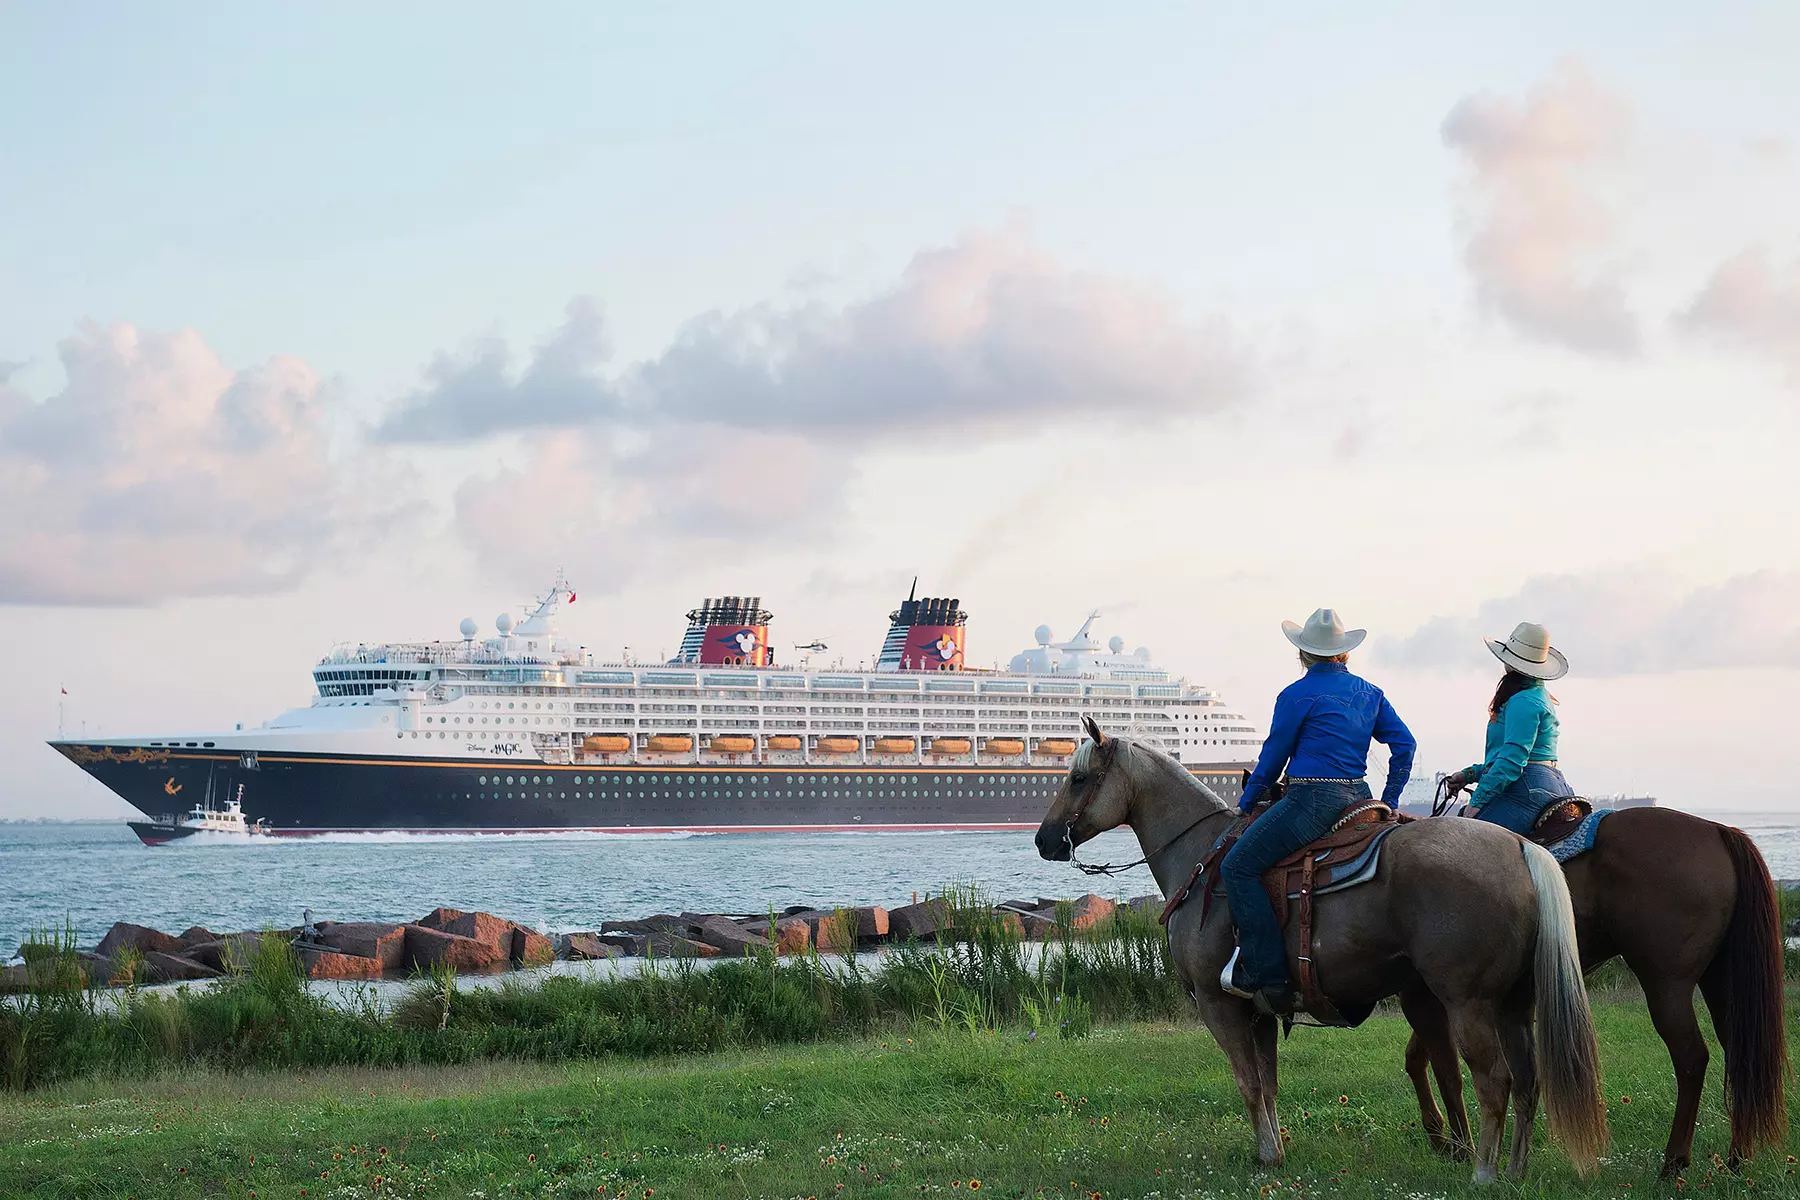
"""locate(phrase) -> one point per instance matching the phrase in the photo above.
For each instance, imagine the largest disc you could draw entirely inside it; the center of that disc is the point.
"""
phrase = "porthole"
(509, 780)
(482, 781)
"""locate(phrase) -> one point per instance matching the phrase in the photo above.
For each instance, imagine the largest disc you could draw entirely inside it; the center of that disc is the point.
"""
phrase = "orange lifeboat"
(784, 742)
(838, 745)
(670, 743)
(606, 743)
(1004, 746)
(895, 745)
(1060, 747)
(732, 743)
(950, 745)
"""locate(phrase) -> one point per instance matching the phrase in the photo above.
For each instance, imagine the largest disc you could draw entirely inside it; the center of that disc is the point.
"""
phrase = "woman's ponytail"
(1511, 684)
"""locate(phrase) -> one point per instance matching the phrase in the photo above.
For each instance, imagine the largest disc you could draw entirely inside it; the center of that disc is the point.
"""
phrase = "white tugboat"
(202, 818)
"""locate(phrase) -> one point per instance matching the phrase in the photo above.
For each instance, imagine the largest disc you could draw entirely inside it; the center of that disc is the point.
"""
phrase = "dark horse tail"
(1756, 1055)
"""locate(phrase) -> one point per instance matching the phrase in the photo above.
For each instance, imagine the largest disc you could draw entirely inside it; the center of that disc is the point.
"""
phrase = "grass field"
(1134, 1110)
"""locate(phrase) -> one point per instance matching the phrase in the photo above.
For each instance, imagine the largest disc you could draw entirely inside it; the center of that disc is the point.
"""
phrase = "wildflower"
(1343, 1099)
(974, 1185)
(531, 1158)
(1103, 1120)
(1624, 1099)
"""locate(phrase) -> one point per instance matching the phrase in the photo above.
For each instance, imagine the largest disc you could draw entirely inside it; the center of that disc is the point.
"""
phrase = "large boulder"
(427, 947)
(792, 936)
(631, 945)
(329, 964)
(668, 945)
(384, 943)
(483, 927)
(585, 946)
(195, 935)
(830, 926)
(101, 970)
(923, 920)
(141, 938)
(660, 923)
(233, 952)
(175, 968)
(1091, 910)
(14, 978)
(530, 948)
(730, 937)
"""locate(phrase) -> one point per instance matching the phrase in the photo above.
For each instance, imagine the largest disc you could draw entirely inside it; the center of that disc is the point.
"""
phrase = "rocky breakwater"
(481, 942)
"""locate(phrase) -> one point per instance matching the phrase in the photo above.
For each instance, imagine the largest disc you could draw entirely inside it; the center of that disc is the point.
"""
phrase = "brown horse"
(1460, 910)
(1686, 903)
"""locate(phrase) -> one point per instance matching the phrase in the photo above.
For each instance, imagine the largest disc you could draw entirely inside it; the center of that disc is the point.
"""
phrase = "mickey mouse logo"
(944, 647)
(742, 642)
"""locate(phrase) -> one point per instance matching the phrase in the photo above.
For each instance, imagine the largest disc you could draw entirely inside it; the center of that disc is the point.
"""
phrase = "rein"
(1109, 751)
(1443, 798)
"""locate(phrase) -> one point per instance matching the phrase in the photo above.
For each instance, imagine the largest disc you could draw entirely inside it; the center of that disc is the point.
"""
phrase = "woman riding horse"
(1518, 778)
(1320, 733)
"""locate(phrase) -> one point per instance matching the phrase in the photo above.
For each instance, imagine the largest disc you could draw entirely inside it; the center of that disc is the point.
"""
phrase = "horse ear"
(1093, 730)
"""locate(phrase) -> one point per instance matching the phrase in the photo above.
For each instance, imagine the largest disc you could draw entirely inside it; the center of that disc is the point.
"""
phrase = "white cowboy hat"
(1529, 652)
(1324, 634)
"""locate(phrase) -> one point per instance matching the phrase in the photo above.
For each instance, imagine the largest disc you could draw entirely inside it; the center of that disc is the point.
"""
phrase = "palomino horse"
(1686, 903)
(1462, 908)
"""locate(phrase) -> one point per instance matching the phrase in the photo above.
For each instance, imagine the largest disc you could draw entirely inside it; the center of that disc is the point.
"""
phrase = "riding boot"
(1276, 1000)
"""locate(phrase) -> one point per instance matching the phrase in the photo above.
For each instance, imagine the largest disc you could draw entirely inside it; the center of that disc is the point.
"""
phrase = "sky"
(336, 323)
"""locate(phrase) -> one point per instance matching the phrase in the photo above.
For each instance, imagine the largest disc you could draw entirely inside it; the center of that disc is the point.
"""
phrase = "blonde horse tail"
(1568, 1057)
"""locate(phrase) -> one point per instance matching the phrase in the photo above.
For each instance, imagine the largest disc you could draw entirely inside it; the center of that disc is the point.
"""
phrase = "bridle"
(1109, 753)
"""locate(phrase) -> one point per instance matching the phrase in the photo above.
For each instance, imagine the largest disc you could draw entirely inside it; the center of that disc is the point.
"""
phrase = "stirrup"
(1226, 977)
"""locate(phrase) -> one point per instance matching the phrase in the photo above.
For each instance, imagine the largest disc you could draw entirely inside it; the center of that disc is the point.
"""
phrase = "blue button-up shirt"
(1321, 729)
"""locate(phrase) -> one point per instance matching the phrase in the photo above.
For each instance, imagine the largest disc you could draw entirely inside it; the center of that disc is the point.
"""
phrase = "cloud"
(1749, 302)
(1628, 623)
(476, 393)
(157, 471)
(612, 513)
(988, 334)
(1534, 227)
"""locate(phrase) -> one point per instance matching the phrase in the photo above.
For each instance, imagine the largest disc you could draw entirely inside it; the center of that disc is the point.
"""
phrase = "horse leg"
(1418, 1064)
(1264, 1030)
(1714, 986)
(1231, 1022)
(1475, 1025)
(1671, 1004)
(1515, 1039)
(1432, 1045)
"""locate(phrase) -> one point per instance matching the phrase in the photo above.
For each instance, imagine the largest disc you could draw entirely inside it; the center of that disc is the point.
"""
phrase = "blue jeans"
(1307, 812)
(1518, 804)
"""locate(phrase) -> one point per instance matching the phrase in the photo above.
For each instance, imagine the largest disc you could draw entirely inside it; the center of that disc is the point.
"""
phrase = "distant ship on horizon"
(1421, 790)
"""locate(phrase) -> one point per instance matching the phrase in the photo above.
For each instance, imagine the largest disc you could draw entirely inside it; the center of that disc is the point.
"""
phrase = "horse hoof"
(1486, 1175)
(1672, 1167)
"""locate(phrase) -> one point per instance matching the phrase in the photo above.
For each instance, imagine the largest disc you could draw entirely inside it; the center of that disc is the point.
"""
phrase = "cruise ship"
(525, 732)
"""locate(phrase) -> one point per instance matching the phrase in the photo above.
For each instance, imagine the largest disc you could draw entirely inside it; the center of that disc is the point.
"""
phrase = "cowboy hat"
(1529, 652)
(1324, 634)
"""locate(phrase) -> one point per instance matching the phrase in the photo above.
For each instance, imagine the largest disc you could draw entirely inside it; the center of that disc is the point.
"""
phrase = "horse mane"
(1130, 752)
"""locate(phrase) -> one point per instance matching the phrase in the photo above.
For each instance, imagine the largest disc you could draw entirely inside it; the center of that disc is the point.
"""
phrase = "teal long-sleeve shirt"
(1526, 732)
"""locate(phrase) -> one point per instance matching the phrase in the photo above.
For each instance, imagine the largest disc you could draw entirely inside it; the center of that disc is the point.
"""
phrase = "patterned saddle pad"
(1576, 839)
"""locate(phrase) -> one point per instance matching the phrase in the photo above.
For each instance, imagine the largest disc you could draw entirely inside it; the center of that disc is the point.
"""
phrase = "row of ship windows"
(647, 781)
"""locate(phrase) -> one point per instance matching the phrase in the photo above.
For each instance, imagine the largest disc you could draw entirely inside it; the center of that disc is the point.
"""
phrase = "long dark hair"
(1511, 684)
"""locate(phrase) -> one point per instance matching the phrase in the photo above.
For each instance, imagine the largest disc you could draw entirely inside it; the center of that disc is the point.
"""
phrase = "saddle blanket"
(1581, 840)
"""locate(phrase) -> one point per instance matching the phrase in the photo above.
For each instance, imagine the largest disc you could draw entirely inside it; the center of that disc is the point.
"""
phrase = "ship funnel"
(924, 635)
(731, 631)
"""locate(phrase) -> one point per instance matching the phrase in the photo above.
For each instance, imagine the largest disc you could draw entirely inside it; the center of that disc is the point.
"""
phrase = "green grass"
(1144, 1109)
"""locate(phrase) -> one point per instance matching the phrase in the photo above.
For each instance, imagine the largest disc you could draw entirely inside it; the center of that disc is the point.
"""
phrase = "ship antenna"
(915, 589)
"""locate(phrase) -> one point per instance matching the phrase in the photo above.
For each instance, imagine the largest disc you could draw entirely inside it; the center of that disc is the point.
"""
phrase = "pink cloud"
(1536, 232)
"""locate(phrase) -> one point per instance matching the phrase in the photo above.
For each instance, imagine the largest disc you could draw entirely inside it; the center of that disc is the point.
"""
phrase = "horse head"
(1093, 798)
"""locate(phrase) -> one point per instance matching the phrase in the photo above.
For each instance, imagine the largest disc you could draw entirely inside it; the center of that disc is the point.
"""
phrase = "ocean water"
(94, 874)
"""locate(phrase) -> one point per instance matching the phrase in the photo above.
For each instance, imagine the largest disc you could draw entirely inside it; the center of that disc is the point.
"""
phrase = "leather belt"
(1315, 779)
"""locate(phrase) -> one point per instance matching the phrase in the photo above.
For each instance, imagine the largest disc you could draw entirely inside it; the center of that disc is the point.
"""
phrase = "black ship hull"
(304, 794)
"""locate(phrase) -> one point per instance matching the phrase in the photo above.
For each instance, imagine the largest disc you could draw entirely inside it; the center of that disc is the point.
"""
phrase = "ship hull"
(300, 795)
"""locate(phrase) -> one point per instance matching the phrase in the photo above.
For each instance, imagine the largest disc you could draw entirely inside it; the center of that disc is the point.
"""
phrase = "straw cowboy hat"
(1324, 634)
(1529, 652)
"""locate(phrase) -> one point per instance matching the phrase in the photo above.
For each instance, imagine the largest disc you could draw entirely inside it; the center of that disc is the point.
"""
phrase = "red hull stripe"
(852, 828)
